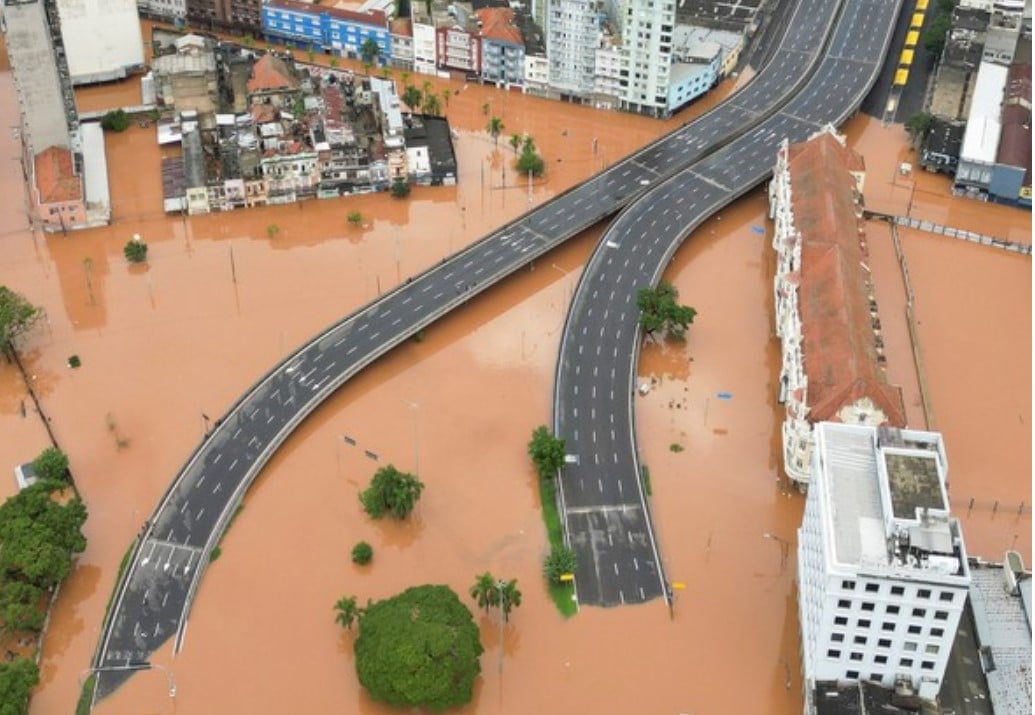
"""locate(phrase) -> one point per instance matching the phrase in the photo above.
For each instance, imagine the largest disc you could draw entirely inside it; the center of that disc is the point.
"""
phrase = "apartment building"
(572, 38)
(882, 568)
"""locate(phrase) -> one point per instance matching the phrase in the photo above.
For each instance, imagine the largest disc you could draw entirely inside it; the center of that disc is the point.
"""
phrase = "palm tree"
(515, 142)
(369, 52)
(432, 105)
(509, 596)
(347, 611)
(484, 591)
(495, 129)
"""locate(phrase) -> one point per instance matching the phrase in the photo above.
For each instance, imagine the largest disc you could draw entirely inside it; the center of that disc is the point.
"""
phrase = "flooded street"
(219, 302)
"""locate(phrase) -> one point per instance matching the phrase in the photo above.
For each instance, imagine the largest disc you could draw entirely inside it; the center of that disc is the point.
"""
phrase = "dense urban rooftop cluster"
(647, 61)
(257, 129)
(980, 107)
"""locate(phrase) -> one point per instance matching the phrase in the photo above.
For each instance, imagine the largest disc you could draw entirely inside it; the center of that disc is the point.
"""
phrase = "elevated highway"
(155, 592)
(606, 516)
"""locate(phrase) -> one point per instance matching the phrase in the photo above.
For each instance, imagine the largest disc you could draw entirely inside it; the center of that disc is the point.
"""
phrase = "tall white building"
(572, 37)
(882, 568)
(647, 30)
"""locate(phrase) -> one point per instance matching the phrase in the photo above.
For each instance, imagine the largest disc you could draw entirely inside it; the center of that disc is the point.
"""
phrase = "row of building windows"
(886, 642)
(921, 593)
(892, 609)
(856, 656)
(914, 629)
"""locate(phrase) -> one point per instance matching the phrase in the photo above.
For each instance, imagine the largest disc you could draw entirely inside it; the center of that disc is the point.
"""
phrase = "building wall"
(36, 76)
(425, 57)
(502, 62)
(457, 49)
(571, 43)
(693, 84)
(402, 51)
(171, 10)
(647, 30)
(536, 74)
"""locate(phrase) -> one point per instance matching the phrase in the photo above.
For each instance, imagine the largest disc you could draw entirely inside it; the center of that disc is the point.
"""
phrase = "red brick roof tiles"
(56, 180)
(271, 72)
(498, 24)
(839, 345)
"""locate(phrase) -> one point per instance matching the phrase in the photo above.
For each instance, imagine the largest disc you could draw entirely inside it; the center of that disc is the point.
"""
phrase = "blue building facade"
(331, 30)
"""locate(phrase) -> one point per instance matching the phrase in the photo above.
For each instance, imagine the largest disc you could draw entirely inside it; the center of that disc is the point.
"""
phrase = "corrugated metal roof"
(981, 139)
(1002, 629)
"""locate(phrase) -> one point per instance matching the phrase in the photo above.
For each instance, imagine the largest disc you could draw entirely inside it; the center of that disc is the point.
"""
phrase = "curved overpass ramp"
(154, 594)
(606, 516)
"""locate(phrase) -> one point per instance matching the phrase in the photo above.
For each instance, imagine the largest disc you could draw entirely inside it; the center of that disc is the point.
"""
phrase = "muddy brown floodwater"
(219, 303)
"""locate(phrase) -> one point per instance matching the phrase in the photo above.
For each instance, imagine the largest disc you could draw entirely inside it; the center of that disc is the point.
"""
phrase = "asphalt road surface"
(607, 520)
(155, 592)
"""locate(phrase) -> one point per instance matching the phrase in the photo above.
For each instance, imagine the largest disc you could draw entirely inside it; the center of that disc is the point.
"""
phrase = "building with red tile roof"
(826, 316)
(58, 190)
(272, 74)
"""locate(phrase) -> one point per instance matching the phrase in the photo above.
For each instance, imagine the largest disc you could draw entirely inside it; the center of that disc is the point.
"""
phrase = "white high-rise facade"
(647, 27)
(572, 36)
(882, 568)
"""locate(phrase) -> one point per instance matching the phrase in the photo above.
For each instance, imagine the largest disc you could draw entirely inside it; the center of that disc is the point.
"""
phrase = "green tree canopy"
(529, 161)
(509, 597)
(661, 313)
(495, 128)
(17, 317)
(369, 51)
(546, 451)
(413, 97)
(432, 104)
(391, 491)
(346, 611)
(115, 121)
(561, 560)
(17, 679)
(400, 189)
(51, 463)
(39, 535)
(419, 649)
(20, 606)
(484, 591)
(135, 251)
(919, 125)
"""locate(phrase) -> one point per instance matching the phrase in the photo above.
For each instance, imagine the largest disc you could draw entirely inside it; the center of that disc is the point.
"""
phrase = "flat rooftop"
(913, 483)
(1004, 635)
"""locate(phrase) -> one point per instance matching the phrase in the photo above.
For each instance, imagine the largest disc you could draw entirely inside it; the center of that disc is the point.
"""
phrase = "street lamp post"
(500, 585)
(415, 406)
(785, 547)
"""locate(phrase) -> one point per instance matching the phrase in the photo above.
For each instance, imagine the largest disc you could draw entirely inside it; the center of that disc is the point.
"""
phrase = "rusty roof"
(498, 24)
(271, 72)
(402, 26)
(839, 345)
(56, 180)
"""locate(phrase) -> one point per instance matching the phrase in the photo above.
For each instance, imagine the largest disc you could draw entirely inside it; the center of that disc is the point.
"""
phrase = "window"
(833, 653)
(909, 646)
(941, 615)
(906, 662)
(859, 640)
(914, 630)
(872, 588)
(923, 593)
(884, 643)
(945, 596)
(876, 676)
(864, 623)
(937, 632)
(893, 610)
(927, 665)
(897, 590)
(887, 626)
(852, 675)
(919, 612)
(856, 656)
(880, 659)
(840, 621)
(837, 638)
(931, 649)
(848, 585)
(867, 606)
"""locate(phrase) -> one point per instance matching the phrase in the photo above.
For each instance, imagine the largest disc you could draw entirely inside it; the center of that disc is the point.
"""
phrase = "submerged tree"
(661, 313)
(546, 451)
(391, 491)
(419, 649)
(17, 317)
